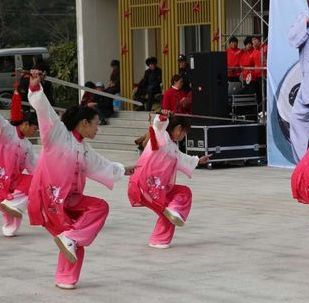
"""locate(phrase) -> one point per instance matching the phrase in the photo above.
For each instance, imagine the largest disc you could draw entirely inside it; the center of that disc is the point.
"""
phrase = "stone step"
(113, 139)
(131, 115)
(128, 123)
(121, 131)
(113, 146)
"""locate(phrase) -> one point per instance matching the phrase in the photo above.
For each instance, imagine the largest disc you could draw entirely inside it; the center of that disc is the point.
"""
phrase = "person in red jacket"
(233, 60)
(248, 76)
(176, 99)
(260, 59)
(259, 48)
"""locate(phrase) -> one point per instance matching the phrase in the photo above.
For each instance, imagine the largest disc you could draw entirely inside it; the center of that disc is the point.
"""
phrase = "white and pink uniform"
(56, 199)
(153, 183)
(16, 155)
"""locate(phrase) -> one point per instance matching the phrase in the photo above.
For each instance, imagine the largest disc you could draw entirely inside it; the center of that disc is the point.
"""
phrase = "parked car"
(16, 58)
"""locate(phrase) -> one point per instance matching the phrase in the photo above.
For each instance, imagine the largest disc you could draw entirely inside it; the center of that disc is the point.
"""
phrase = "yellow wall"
(143, 14)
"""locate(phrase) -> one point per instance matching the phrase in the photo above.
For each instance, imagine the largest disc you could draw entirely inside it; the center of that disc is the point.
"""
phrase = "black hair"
(151, 60)
(74, 114)
(233, 39)
(175, 78)
(90, 84)
(30, 117)
(115, 63)
(257, 37)
(248, 40)
(174, 121)
(181, 57)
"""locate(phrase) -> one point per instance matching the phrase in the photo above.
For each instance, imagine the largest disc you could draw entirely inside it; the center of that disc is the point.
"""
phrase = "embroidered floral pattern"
(155, 187)
(53, 194)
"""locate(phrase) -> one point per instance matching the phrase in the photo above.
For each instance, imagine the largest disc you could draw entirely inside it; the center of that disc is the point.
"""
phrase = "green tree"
(63, 65)
(36, 22)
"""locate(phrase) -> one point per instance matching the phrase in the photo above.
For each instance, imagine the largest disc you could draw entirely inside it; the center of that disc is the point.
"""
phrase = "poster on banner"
(284, 77)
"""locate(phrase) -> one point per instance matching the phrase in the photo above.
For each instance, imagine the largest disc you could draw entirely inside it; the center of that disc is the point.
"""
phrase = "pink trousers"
(178, 199)
(89, 216)
(18, 199)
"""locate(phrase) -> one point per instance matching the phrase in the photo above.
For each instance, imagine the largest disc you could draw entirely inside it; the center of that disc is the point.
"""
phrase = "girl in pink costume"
(153, 183)
(56, 193)
(16, 154)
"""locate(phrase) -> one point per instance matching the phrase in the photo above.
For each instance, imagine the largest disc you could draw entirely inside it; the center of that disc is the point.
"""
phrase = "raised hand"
(129, 170)
(36, 77)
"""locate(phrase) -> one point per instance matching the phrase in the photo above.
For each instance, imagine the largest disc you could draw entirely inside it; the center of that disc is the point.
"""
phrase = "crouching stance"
(153, 183)
(16, 155)
(56, 199)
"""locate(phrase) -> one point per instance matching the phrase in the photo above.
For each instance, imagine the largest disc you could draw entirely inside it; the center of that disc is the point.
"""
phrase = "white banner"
(284, 78)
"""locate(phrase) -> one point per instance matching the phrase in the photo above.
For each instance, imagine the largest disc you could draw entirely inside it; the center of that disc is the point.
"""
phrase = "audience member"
(248, 76)
(233, 60)
(175, 98)
(150, 85)
(184, 72)
(114, 84)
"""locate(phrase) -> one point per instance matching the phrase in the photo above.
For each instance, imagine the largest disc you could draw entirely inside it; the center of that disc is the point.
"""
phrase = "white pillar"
(97, 39)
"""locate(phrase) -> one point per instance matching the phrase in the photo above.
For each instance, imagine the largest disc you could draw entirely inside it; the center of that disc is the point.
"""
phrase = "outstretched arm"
(104, 171)
(49, 122)
(299, 33)
(5, 126)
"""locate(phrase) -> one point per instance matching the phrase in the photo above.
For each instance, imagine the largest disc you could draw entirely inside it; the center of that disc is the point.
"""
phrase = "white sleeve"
(298, 33)
(160, 129)
(186, 163)
(158, 125)
(5, 127)
(102, 170)
(50, 125)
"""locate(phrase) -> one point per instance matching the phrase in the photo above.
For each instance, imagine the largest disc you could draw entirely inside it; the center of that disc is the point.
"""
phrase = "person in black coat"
(184, 70)
(150, 85)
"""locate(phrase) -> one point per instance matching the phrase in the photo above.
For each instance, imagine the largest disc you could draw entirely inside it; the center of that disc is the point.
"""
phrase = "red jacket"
(233, 60)
(247, 60)
(258, 59)
(172, 101)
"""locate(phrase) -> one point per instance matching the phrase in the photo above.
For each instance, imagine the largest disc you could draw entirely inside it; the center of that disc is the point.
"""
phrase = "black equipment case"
(228, 142)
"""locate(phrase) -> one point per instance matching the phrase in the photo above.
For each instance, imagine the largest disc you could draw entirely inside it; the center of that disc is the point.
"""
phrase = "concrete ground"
(246, 240)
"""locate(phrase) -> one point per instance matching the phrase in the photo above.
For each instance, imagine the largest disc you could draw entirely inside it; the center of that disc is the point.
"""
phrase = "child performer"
(153, 183)
(16, 154)
(56, 199)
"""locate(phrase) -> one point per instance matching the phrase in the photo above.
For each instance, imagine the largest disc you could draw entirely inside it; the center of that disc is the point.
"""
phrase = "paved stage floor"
(246, 240)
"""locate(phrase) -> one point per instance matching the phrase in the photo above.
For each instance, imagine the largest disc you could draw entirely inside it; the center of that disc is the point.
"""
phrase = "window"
(7, 64)
(195, 39)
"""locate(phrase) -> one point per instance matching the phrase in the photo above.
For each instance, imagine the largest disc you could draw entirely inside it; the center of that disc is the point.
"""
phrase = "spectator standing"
(233, 60)
(248, 76)
(184, 72)
(260, 60)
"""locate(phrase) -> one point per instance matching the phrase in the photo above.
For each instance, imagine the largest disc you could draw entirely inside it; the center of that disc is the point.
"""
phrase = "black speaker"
(208, 75)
